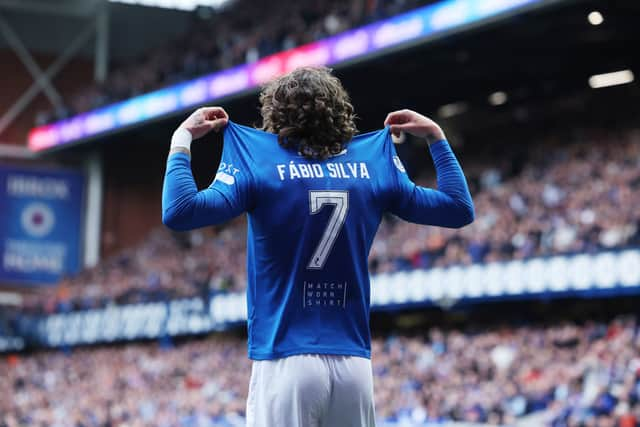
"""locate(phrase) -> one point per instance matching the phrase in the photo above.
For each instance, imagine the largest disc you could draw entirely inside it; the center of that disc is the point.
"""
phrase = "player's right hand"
(204, 120)
(414, 123)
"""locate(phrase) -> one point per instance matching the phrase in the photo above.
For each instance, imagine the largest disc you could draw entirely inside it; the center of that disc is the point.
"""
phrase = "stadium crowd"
(568, 375)
(567, 198)
(586, 202)
(163, 267)
(242, 32)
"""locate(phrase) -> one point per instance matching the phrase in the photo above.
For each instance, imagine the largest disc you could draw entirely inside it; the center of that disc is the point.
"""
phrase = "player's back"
(311, 225)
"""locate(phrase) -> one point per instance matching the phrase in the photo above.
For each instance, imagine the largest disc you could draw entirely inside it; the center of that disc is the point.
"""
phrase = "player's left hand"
(414, 123)
(204, 120)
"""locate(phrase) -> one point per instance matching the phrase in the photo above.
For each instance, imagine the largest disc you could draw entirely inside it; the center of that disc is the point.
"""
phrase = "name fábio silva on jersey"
(344, 170)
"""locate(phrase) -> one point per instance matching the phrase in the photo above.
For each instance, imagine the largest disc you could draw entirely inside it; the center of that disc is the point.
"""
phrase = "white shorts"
(311, 390)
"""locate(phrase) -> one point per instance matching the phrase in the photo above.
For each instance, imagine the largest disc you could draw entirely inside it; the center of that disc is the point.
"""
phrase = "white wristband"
(181, 138)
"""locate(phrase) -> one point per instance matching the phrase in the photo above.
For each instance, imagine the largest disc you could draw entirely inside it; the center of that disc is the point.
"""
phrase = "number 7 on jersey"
(340, 201)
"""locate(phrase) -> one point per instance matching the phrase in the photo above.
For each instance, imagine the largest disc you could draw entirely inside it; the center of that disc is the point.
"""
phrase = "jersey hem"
(253, 355)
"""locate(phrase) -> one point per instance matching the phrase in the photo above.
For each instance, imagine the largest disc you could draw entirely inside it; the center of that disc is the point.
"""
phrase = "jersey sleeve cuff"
(179, 157)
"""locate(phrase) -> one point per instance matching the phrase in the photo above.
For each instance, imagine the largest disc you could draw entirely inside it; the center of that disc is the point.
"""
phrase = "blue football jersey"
(311, 224)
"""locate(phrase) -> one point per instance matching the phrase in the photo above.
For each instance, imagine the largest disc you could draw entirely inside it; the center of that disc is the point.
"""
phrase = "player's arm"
(183, 206)
(448, 206)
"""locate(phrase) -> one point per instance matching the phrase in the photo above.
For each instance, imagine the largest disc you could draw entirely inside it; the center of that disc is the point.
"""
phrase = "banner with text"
(40, 223)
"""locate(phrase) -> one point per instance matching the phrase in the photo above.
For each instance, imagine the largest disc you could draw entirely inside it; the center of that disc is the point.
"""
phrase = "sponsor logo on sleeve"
(226, 173)
(225, 178)
(399, 165)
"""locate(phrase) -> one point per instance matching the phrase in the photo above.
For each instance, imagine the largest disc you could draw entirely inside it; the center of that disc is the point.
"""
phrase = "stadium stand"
(584, 204)
(236, 35)
(573, 374)
(573, 189)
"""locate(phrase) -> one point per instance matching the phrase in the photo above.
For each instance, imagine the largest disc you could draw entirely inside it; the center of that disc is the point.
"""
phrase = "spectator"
(585, 203)
(242, 33)
(565, 375)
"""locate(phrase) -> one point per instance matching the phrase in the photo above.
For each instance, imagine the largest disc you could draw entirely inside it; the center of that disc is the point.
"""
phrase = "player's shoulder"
(237, 133)
(254, 145)
(378, 136)
(374, 143)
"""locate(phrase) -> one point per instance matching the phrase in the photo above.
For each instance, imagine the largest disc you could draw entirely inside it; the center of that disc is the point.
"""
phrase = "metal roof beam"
(23, 102)
(30, 64)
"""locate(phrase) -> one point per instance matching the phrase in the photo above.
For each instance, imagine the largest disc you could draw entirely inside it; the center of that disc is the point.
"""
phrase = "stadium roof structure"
(175, 4)
(412, 28)
(91, 30)
(48, 26)
(544, 52)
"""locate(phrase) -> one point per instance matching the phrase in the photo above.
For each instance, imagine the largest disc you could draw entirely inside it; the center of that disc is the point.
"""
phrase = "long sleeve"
(231, 193)
(448, 206)
(186, 208)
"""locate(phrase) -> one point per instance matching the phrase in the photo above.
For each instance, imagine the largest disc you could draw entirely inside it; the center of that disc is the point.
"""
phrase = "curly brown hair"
(309, 110)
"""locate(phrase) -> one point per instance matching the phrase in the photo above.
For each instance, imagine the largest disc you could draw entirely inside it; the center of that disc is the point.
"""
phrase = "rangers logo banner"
(40, 223)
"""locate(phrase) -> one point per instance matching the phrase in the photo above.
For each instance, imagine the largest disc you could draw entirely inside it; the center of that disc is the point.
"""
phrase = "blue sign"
(40, 225)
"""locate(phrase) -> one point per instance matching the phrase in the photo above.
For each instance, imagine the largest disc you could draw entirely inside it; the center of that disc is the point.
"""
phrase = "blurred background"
(528, 317)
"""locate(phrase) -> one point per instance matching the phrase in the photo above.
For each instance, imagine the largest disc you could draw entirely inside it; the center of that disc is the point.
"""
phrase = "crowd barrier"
(584, 275)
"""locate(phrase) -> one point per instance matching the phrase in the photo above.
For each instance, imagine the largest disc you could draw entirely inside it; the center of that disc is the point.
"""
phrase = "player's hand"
(204, 120)
(414, 124)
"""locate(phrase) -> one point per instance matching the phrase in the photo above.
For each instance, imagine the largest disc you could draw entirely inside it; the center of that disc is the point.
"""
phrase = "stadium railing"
(583, 275)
